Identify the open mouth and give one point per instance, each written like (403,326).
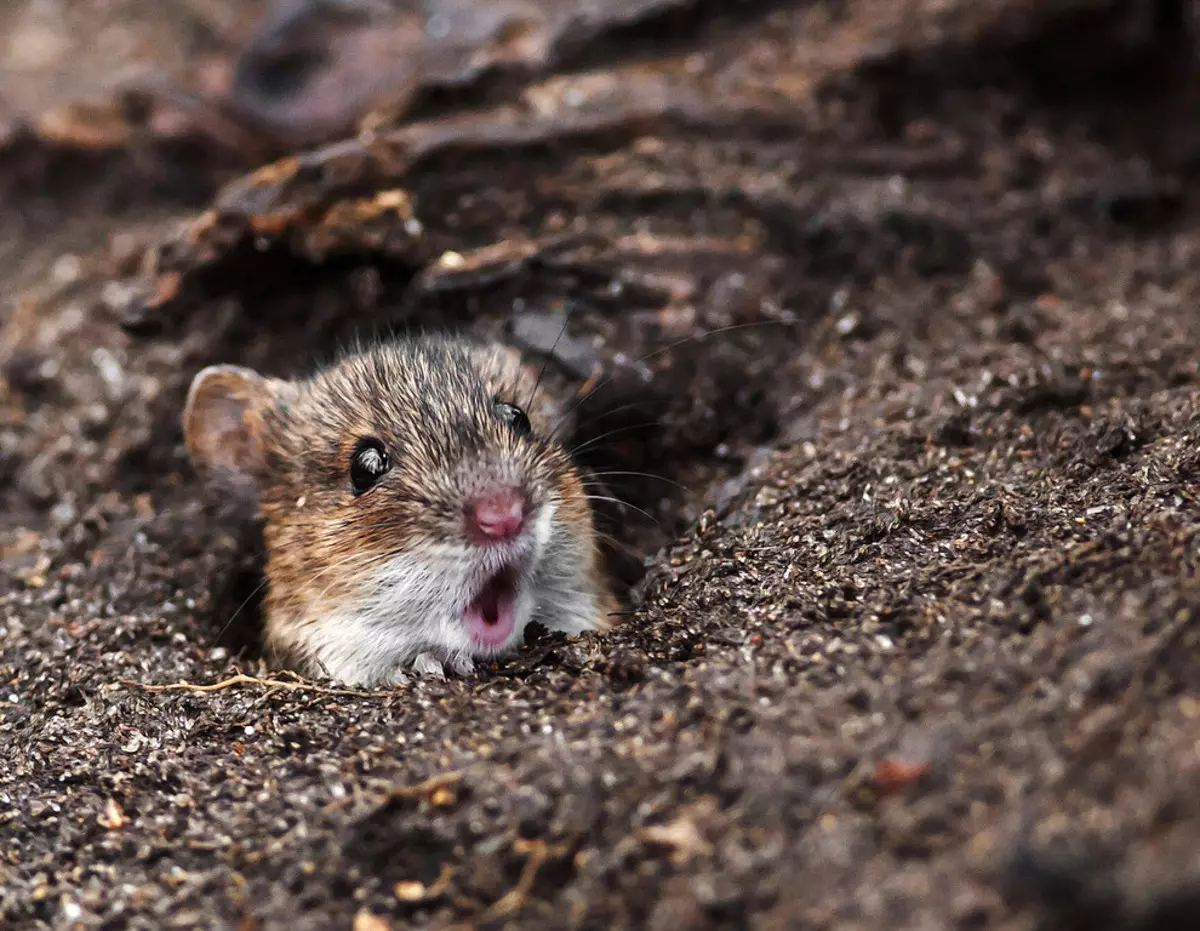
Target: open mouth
(490,618)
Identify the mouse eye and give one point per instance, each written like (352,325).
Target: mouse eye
(514,417)
(368,464)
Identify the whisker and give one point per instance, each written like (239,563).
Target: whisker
(658,478)
(650,355)
(546,361)
(612,412)
(604,436)
(616,543)
(626,504)
(601,486)
(233,617)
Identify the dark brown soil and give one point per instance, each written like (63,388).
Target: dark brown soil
(919,646)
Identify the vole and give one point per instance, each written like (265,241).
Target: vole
(417,512)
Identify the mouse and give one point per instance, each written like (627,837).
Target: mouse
(418,502)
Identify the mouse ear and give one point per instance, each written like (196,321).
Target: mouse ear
(224,420)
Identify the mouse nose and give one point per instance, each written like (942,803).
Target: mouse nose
(497,514)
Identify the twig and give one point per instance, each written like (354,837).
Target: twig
(425,787)
(539,852)
(445,878)
(414,893)
(241,679)
(429,788)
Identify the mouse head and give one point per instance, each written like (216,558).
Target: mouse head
(413,509)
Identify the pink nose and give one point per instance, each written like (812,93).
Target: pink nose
(498,514)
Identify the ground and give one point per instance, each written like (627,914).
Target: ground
(903,295)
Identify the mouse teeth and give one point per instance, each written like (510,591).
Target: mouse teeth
(490,618)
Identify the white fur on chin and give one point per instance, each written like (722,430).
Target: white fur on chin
(410,615)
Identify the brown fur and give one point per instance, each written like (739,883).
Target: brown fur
(430,401)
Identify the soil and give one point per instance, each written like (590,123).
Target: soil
(902,294)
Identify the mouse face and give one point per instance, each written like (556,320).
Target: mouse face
(416,515)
